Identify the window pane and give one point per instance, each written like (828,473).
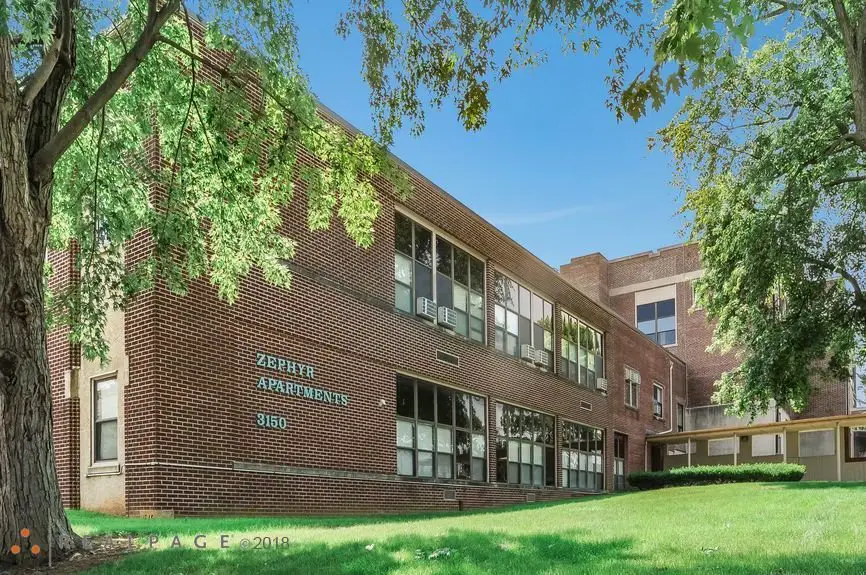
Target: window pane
(443,256)
(477,335)
(425,437)
(477,469)
(425,464)
(405,397)
(646,312)
(477,413)
(426,401)
(461,266)
(405,434)
(858,442)
(511,322)
(106,399)
(500,289)
(667,338)
(548,311)
(524,335)
(500,340)
(647,327)
(537,336)
(525,452)
(444,295)
(513,451)
(405,462)
(537,475)
(460,298)
(462,323)
(478,445)
(511,345)
(444,440)
(816,443)
(537,309)
(403,297)
(403,234)
(463,409)
(512,296)
(665,308)
(499,314)
(463,447)
(423,246)
(443,466)
(402,269)
(501,460)
(446,406)
(423,281)
(477,277)
(666,323)
(106,441)
(525,298)
(476,305)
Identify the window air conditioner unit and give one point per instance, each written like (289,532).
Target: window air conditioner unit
(527,352)
(425,308)
(541,358)
(601,384)
(447,317)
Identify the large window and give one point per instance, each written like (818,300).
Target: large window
(582,351)
(620,450)
(440,432)
(632,387)
(659,321)
(856,438)
(459,277)
(658,400)
(522,318)
(726,446)
(817,443)
(524,447)
(582,457)
(105,420)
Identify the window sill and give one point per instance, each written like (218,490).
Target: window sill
(657,418)
(103,468)
(632,408)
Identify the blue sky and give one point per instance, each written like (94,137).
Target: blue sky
(552,168)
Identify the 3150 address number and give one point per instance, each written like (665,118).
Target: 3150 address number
(271,421)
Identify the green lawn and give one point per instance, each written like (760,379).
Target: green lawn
(777,529)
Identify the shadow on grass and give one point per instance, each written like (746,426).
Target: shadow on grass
(477,553)
(92,523)
(810,485)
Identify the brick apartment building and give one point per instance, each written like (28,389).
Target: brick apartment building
(654,292)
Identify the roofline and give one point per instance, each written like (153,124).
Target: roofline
(656,252)
(761,428)
(354,130)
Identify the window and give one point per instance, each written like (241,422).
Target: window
(524,447)
(658,400)
(817,443)
(766,444)
(105,420)
(659,321)
(459,277)
(726,446)
(681,418)
(522,318)
(582,352)
(682,448)
(440,432)
(620,449)
(632,387)
(856,438)
(582,457)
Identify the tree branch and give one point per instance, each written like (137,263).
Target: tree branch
(859,298)
(46,157)
(40,76)
(846,180)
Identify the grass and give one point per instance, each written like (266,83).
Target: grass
(777,529)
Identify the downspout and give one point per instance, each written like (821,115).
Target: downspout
(670,416)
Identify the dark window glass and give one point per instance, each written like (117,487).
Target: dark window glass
(512,301)
(665,308)
(462,410)
(502,460)
(523,456)
(525,299)
(500,289)
(426,402)
(446,406)
(463,445)
(405,397)
(646,312)
(461,266)
(524,331)
(443,256)
(403,234)
(444,294)
(477,413)
(423,246)
(423,281)
(477,277)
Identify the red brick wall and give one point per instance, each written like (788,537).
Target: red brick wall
(588,274)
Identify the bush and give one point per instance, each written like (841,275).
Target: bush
(711,474)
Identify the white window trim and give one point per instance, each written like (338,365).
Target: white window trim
(676,314)
(94,461)
(657,385)
(799,447)
(628,387)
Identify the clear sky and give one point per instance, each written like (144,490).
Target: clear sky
(553,169)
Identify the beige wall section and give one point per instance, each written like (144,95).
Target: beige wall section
(102,485)
(819,468)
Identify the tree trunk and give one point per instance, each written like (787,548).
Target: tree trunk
(29,489)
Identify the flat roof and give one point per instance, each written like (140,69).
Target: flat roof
(854,419)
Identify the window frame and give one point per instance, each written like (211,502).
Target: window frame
(436,425)
(504,330)
(681,417)
(546,448)
(654,336)
(630,391)
(658,404)
(619,480)
(97,423)
(733,440)
(849,444)
(799,442)
(588,453)
(435,236)
(580,378)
